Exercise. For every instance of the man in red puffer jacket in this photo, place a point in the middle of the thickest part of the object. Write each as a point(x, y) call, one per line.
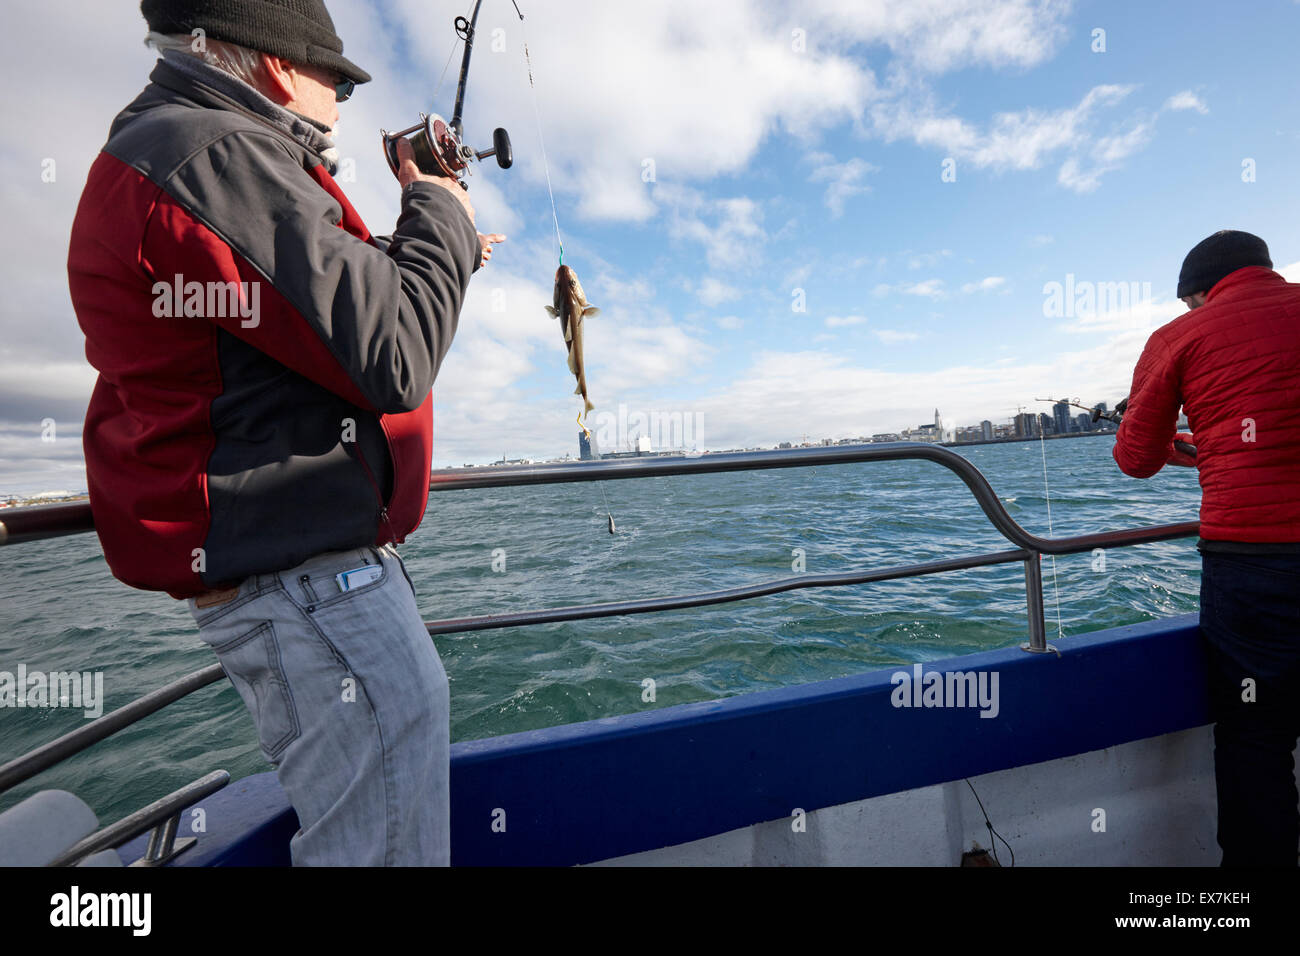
point(1232, 364)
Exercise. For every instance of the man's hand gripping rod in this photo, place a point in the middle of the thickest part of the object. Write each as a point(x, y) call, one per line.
point(437, 144)
point(1117, 416)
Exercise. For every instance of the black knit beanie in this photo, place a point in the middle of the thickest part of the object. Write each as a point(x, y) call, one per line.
point(300, 31)
point(1216, 257)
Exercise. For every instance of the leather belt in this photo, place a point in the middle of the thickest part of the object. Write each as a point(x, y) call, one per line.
point(213, 598)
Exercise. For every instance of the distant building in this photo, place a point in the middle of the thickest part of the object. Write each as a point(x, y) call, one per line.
point(643, 444)
point(587, 450)
point(1084, 421)
point(1046, 423)
point(1061, 418)
point(1027, 425)
point(986, 430)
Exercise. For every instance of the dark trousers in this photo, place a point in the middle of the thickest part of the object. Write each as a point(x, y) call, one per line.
point(1250, 622)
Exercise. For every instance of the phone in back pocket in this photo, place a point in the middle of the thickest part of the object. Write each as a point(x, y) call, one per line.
point(347, 580)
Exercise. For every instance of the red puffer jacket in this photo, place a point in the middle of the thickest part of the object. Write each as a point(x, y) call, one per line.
point(1234, 366)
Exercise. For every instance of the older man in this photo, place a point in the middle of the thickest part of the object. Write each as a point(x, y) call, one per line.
point(1231, 364)
point(260, 433)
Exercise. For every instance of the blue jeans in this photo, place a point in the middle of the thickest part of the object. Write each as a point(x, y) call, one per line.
point(351, 705)
point(1250, 619)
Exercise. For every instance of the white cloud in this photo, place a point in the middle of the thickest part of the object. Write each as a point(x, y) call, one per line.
point(713, 292)
point(984, 285)
point(1020, 140)
point(607, 106)
point(1186, 100)
point(941, 35)
point(840, 321)
point(729, 229)
point(730, 322)
point(855, 399)
point(929, 289)
point(620, 84)
point(1144, 316)
point(1072, 176)
point(1104, 156)
point(844, 179)
point(1026, 139)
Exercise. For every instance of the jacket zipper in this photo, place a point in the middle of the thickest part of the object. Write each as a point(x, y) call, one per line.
point(383, 507)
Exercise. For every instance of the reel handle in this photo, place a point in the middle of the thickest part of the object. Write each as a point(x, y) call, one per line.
point(501, 149)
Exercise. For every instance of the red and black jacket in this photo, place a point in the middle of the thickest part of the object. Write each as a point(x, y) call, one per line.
point(222, 442)
point(1232, 365)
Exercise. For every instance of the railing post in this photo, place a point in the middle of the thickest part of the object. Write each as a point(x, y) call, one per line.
point(163, 845)
point(1034, 602)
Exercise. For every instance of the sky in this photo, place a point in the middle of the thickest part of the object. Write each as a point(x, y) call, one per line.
point(799, 220)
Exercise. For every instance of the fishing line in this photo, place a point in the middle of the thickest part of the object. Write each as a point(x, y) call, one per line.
point(454, 47)
point(992, 832)
point(555, 215)
point(541, 140)
point(1042, 445)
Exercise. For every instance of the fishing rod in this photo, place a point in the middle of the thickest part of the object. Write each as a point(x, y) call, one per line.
point(438, 145)
point(1115, 417)
point(439, 150)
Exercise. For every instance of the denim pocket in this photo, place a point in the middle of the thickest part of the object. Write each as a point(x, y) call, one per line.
point(252, 662)
point(314, 584)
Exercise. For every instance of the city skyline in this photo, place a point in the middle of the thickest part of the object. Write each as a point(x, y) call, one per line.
point(951, 436)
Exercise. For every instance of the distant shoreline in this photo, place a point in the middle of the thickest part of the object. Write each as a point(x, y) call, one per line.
point(20, 501)
point(1006, 441)
point(676, 452)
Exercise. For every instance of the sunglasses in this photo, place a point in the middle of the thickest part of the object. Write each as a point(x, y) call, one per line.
point(343, 88)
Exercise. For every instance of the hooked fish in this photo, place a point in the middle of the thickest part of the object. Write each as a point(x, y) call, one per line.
point(571, 307)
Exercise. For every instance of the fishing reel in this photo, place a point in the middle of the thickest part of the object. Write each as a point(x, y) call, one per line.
point(439, 151)
point(1113, 417)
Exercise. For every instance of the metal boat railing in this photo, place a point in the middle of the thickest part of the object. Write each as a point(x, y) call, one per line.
point(36, 523)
